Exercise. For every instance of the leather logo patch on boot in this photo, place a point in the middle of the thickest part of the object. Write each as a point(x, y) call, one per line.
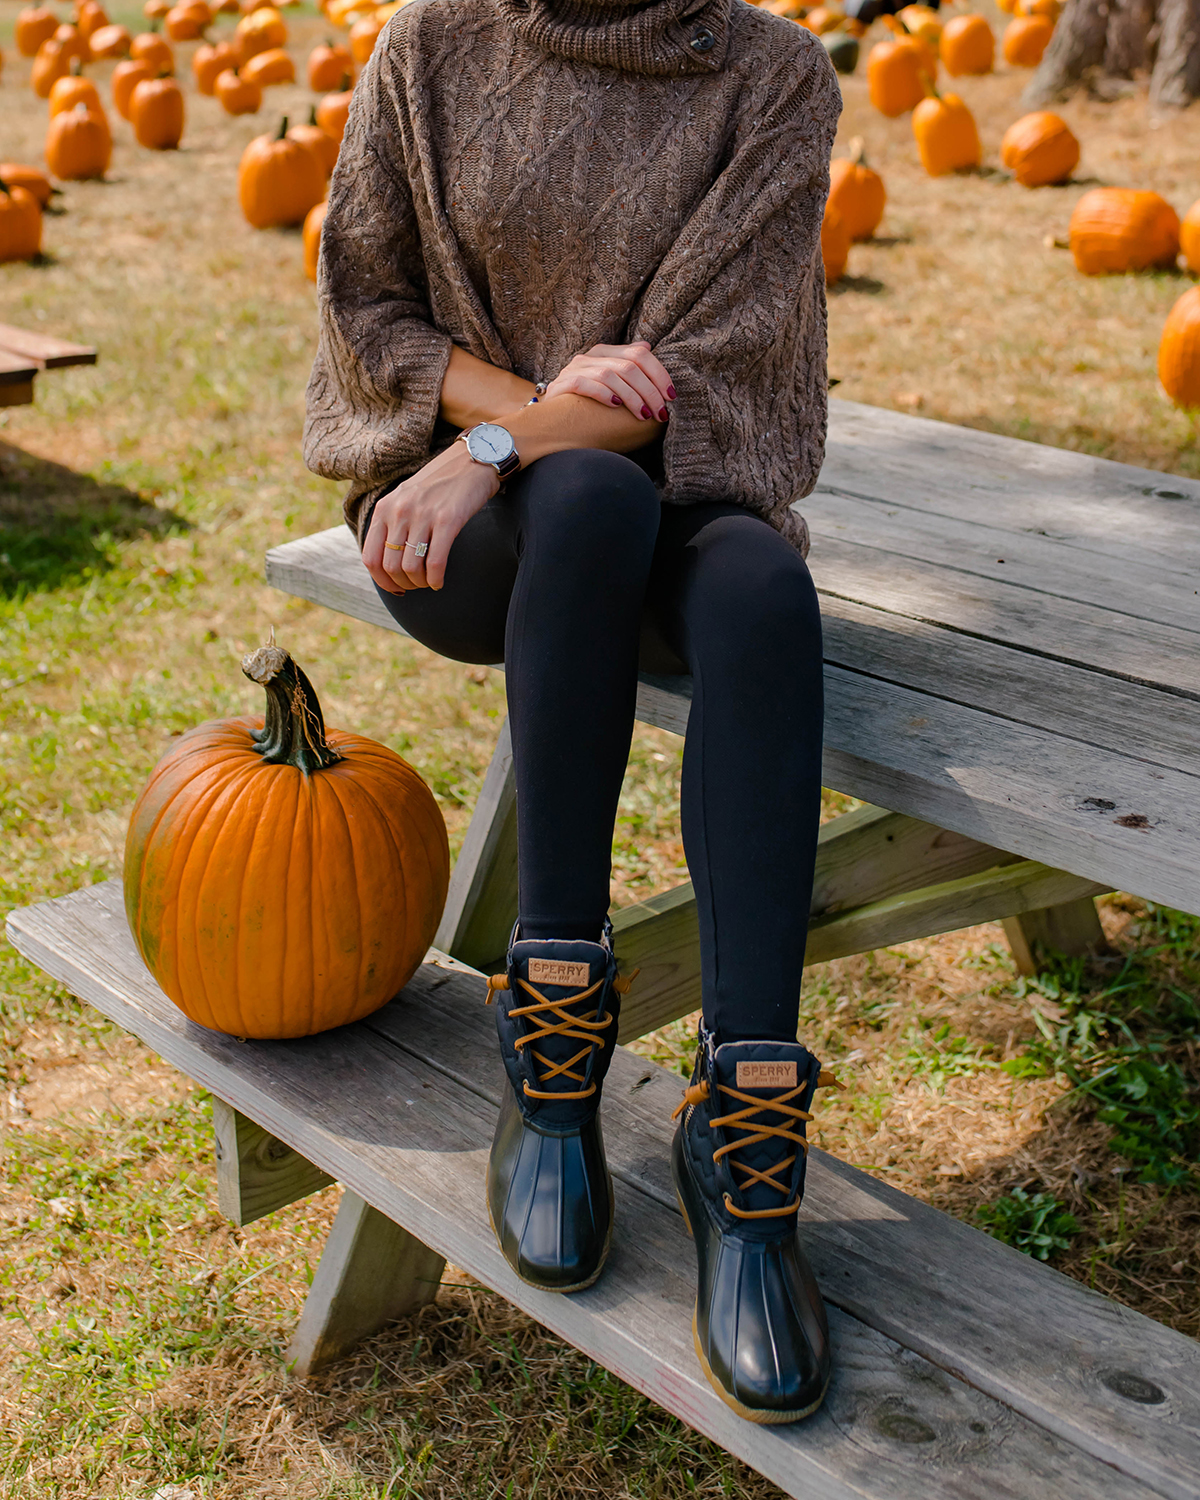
point(766, 1075)
point(567, 976)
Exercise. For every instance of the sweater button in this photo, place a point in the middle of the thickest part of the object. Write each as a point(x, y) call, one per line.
point(703, 40)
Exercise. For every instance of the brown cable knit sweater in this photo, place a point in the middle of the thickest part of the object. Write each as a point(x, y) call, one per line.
point(527, 178)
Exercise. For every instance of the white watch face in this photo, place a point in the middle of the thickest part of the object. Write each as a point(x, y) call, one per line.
point(489, 443)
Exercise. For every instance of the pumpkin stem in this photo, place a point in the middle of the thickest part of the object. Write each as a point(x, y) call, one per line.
point(312, 115)
point(858, 151)
point(294, 731)
point(76, 68)
point(283, 127)
point(346, 82)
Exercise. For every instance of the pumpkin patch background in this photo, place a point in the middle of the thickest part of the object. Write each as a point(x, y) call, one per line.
point(140, 1334)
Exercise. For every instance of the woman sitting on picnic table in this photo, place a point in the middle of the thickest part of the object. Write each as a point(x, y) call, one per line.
point(583, 236)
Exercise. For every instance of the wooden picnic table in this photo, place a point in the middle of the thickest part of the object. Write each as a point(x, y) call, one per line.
point(23, 354)
point(1013, 688)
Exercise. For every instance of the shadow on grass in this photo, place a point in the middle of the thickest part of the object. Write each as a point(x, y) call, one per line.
point(863, 284)
point(58, 526)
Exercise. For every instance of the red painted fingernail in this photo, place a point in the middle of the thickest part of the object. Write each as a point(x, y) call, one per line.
point(616, 401)
point(645, 411)
point(670, 393)
point(662, 415)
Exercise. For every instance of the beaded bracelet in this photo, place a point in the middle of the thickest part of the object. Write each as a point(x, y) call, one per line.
point(539, 391)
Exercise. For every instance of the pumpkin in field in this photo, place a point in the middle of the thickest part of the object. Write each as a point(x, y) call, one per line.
point(261, 30)
point(328, 64)
point(156, 10)
point(34, 25)
point(1179, 351)
point(363, 36)
point(920, 20)
point(110, 42)
point(1039, 149)
point(1025, 39)
point(156, 113)
point(1189, 236)
point(279, 180)
point(946, 135)
point(32, 179)
point(281, 878)
point(313, 222)
point(188, 22)
point(237, 95)
point(1123, 229)
point(149, 47)
point(78, 144)
point(835, 245)
point(968, 46)
point(1048, 8)
point(74, 43)
point(72, 90)
point(323, 146)
point(210, 61)
point(857, 192)
point(90, 17)
point(126, 77)
point(897, 72)
point(51, 63)
point(333, 112)
point(270, 67)
point(20, 222)
point(819, 20)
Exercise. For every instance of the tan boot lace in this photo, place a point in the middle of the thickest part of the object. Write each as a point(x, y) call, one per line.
point(565, 1024)
point(756, 1132)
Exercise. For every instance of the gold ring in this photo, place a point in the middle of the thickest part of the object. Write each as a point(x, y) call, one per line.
point(394, 546)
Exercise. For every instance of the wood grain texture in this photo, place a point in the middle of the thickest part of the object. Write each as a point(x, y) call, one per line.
point(481, 906)
point(401, 1109)
point(371, 1273)
point(1114, 510)
point(256, 1172)
point(46, 353)
point(1072, 928)
point(19, 393)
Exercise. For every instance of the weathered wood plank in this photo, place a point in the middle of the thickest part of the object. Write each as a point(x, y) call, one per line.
point(1150, 588)
point(1072, 927)
point(482, 903)
point(1099, 506)
point(409, 1135)
point(997, 610)
point(256, 1173)
point(45, 352)
point(371, 1273)
point(1093, 708)
point(1072, 806)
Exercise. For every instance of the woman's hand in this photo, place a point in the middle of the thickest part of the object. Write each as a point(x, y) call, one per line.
point(431, 507)
point(619, 375)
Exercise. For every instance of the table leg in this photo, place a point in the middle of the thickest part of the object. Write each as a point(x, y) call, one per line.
point(372, 1272)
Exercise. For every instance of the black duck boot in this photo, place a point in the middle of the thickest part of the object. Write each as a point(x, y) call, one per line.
point(738, 1159)
point(550, 1197)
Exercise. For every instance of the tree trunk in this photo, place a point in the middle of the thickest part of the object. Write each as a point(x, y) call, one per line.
point(1175, 81)
point(1097, 40)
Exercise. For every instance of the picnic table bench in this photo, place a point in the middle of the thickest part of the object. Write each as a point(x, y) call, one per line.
point(24, 354)
point(1013, 687)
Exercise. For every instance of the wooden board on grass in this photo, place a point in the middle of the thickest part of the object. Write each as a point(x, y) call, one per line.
point(964, 1369)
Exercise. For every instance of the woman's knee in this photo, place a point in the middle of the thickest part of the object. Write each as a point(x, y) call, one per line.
point(591, 497)
point(750, 596)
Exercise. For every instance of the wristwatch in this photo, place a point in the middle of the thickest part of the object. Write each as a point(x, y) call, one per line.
point(489, 443)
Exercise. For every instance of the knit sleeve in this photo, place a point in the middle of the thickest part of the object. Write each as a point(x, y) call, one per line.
point(736, 310)
point(376, 382)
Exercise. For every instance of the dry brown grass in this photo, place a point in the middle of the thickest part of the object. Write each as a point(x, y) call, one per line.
point(152, 485)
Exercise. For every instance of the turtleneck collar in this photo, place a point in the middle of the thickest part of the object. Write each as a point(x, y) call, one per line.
point(662, 37)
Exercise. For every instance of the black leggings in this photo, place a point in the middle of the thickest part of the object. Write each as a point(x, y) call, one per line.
point(573, 572)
